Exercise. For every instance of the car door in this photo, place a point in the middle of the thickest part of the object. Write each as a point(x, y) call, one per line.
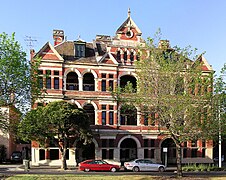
point(92, 165)
point(150, 166)
point(104, 166)
point(140, 163)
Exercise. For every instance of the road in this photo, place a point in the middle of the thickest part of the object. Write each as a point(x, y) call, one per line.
point(13, 169)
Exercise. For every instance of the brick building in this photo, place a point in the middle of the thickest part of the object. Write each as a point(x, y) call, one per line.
point(84, 73)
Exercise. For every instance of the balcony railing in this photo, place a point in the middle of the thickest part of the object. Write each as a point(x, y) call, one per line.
point(72, 86)
point(88, 87)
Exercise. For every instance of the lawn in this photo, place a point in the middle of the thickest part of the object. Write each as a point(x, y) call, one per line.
point(101, 177)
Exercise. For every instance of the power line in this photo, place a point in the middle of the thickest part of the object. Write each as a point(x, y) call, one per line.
point(30, 41)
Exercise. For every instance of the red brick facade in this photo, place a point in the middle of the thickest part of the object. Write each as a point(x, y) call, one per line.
point(83, 73)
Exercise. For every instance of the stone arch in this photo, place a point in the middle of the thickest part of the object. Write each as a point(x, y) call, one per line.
point(127, 73)
point(168, 143)
point(73, 70)
point(95, 110)
point(132, 137)
point(90, 71)
point(76, 103)
point(129, 147)
point(68, 71)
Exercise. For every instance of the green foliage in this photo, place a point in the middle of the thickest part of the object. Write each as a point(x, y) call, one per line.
point(17, 77)
point(171, 83)
point(219, 100)
point(201, 167)
point(58, 119)
point(59, 122)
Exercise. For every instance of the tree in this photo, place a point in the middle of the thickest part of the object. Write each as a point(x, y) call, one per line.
point(17, 77)
point(219, 104)
point(58, 121)
point(173, 86)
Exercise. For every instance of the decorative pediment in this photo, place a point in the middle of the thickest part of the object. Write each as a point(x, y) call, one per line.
point(48, 52)
point(129, 30)
point(107, 58)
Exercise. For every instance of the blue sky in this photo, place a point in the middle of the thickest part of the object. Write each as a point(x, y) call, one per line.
point(199, 23)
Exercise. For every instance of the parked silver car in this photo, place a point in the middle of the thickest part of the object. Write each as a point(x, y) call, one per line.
point(143, 165)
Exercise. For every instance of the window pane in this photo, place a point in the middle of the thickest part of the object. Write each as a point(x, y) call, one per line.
point(104, 154)
point(152, 153)
point(48, 83)
point(103, 87)
point(111, 85)
point(103, 117)
point(111, 153)
point(103, 75)
point(56, 73)
point(146, 153)
point(111, 117)
point(56, 83)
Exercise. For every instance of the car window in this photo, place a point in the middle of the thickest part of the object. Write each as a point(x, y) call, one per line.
point(148, 161)
point(140, 161)
point(91, 162)
point(16, 154)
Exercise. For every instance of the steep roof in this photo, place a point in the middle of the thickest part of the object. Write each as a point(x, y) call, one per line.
point(49, 52)
point(128, 23)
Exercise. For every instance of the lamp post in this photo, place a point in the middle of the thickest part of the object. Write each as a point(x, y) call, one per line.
point(219, 119)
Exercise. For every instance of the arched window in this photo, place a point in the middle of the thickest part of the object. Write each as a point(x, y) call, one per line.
point(88, 82)
point(124, 80)
point(72, 81)
point(89, 109)
point(128, 115)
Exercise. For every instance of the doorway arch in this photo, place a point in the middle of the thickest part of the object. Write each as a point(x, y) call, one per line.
point(171, 151)
point(84, 152)
point(128, 149)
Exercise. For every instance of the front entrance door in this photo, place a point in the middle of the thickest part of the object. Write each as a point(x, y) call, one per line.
point(128, 150)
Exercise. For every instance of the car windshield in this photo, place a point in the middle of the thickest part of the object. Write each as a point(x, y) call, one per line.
point(16, 154)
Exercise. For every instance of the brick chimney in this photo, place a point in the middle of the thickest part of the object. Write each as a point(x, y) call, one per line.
point(164, 44)
point(58, 36)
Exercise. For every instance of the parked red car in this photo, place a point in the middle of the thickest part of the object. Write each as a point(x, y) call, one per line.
point(97, 165)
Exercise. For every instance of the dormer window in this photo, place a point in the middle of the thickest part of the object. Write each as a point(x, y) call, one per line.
point(80, 49)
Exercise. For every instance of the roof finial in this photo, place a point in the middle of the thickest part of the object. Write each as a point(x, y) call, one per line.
point(129, 12)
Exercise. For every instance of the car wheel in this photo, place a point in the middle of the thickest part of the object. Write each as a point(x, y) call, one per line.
point(113, 169)
point(161, 169)
point(86, 169)
point(136, 169)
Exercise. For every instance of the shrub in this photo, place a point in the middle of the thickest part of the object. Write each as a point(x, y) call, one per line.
point(201, 167)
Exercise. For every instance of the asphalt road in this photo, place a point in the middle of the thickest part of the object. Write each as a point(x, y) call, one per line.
point(13, 169)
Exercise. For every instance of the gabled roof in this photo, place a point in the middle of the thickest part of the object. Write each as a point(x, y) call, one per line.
point(205, 65)
point(128, 22)
point(44, 50)
point(108, 55)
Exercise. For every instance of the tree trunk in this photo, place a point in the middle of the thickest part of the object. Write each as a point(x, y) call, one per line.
point(179, 160)
point(64, 160)
point(63, 150)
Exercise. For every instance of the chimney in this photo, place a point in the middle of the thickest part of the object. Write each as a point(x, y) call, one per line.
point(58, 36)
point(164, 44)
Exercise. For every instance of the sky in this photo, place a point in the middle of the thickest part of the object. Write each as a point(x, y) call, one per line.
point(198, 23)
